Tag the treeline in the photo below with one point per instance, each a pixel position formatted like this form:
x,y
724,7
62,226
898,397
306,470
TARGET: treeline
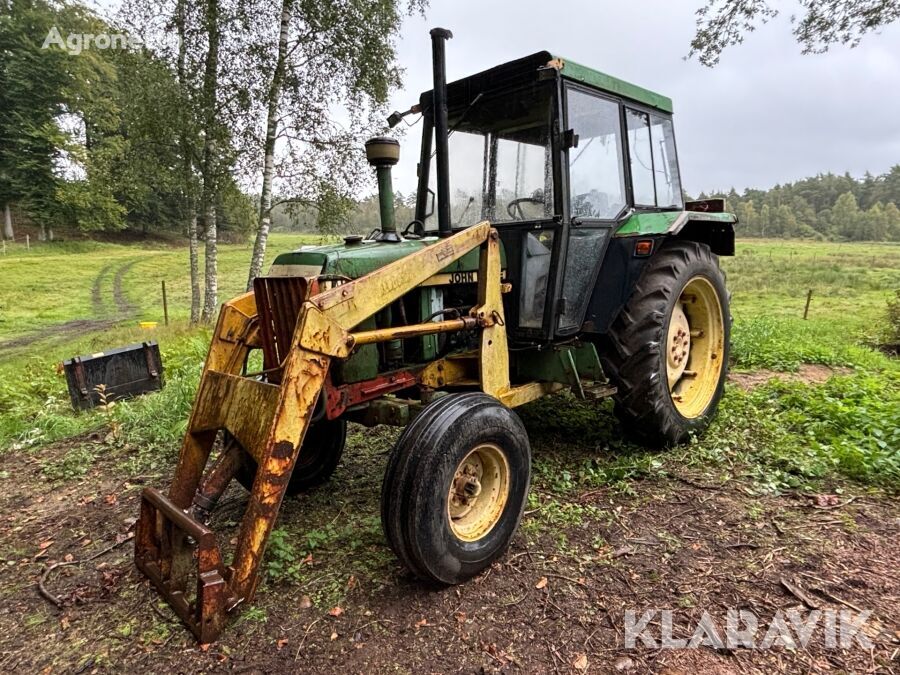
x,y
827,206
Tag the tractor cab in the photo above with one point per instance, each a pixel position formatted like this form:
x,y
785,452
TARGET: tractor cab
x,y
558,157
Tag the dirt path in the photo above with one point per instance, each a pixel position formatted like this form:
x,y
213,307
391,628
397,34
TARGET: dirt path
x,y
556,602
124,309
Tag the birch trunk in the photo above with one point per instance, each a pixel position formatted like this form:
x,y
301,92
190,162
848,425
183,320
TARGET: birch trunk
x,y
194,248
211,294
190,209
8,232
274,97
210,180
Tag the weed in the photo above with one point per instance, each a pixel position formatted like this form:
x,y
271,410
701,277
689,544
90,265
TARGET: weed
x,y
76,462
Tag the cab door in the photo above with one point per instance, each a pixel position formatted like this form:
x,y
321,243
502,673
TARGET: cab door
x,y
597,197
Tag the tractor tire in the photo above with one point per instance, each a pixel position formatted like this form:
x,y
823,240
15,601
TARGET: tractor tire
x,y
319,457
455,487
667,351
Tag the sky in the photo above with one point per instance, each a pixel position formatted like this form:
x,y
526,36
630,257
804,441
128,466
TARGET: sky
x,y
765,115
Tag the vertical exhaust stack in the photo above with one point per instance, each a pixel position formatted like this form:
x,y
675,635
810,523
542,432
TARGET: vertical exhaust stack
x,y
439,37
383,152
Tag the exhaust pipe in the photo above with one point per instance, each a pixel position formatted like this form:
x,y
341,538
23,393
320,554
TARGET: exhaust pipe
x,y
439,37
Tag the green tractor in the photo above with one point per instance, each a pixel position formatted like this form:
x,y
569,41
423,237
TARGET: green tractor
x,y
551,248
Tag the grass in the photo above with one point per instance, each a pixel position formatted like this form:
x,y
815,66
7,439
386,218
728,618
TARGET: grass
x,y
780,435
53,283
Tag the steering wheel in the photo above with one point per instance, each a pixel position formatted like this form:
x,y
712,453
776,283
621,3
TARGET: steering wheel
x,y
515,206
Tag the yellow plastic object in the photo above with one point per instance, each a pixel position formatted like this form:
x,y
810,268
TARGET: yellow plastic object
x,y
147,325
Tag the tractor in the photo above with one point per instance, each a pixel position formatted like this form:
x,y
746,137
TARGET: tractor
x,y
551,249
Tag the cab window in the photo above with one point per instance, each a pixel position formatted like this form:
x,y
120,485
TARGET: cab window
x,y
654,165
596,177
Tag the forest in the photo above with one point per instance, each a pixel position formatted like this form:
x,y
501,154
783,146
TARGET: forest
x,y
827,206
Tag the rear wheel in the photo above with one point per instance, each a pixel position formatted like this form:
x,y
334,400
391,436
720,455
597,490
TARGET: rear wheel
x,y
667,351
319,457
455,487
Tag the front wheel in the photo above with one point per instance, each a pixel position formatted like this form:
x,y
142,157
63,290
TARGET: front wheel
x,y
455,487
320,455
667,351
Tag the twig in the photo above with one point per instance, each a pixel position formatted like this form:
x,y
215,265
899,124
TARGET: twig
x,y
562,576
812,603
47,595
836,599
308,628
832,506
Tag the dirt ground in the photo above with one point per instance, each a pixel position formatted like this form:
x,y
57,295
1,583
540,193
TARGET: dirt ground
x,y
555,603
807,373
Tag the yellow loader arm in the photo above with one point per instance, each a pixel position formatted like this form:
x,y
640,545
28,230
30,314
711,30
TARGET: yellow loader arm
x,y
269,421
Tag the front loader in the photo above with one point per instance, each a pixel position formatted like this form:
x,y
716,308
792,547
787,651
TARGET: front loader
x,y
560,255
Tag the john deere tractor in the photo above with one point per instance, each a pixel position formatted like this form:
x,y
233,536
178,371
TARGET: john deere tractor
x,y
551,250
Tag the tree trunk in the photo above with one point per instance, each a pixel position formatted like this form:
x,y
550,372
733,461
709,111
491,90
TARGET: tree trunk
x,y
210,179
189,206
265,200
8,232
195,268
211,295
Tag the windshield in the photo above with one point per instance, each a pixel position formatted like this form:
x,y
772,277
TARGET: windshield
x,y
500,161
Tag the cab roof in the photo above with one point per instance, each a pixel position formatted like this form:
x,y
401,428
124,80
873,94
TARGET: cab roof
x,y
527,70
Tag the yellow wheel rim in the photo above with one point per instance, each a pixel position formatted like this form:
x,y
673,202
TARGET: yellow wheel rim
x,y
695,347
478,492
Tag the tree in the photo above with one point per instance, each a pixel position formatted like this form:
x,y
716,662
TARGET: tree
x,y
323,52
209,166
32,85
875,225
845,217
724,23
892,221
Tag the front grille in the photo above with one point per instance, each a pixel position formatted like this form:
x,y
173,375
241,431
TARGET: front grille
x,y
278,304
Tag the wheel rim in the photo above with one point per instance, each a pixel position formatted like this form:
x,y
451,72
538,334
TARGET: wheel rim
x,y
478,492
694,347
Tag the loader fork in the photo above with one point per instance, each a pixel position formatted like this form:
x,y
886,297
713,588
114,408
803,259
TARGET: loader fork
x,y
300,331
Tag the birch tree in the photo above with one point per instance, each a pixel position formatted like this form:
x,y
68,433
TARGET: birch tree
x,y
209,165
332,68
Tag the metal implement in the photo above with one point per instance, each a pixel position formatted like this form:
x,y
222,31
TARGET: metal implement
x,y
104,377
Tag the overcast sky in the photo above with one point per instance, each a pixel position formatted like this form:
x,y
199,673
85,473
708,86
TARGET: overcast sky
x,y
764,115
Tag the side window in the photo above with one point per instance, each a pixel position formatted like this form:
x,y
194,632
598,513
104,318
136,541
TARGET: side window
x,y
665,163
596,177
641,157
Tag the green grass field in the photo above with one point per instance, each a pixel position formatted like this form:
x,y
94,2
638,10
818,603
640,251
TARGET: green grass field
x,y
54,284
728,515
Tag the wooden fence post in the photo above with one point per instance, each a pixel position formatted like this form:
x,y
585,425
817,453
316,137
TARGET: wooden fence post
x,y
165,303
806,309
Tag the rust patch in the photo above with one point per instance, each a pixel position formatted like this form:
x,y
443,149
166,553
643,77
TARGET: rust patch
x,y
283,450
